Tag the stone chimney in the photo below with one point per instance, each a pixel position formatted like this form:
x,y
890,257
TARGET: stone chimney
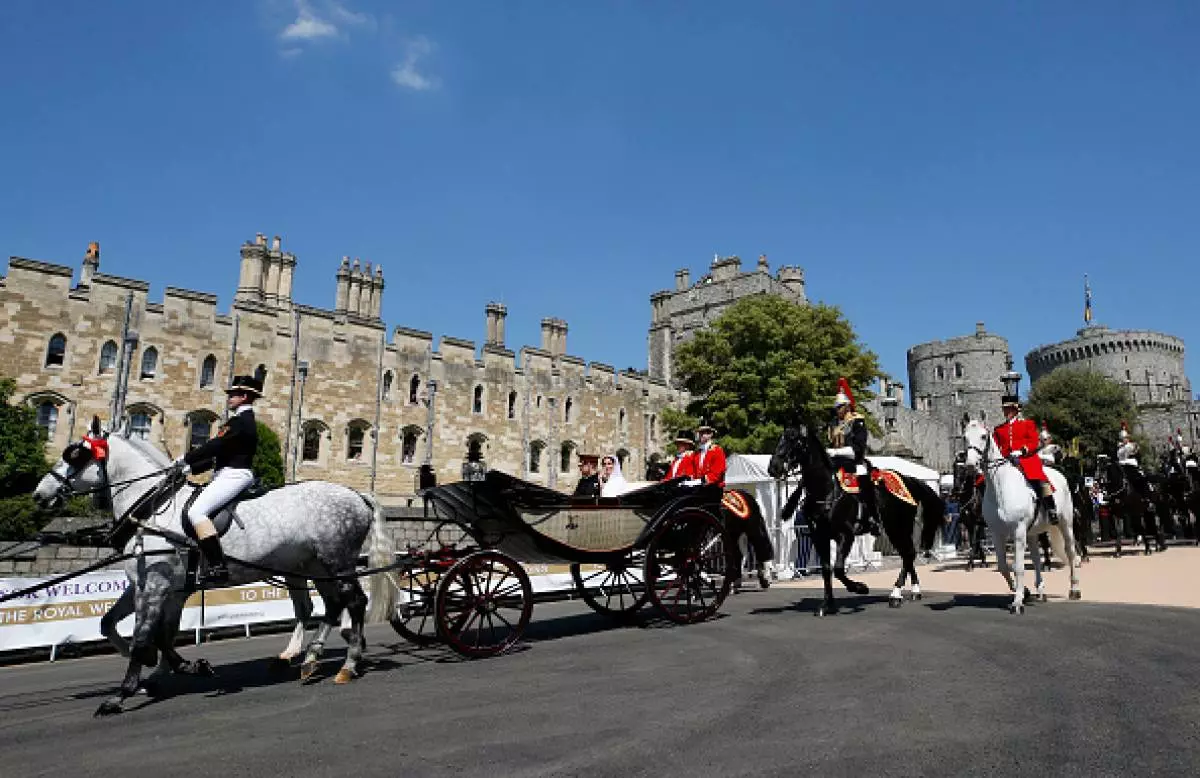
x,y
377,295
287,272
254,261
559,342
495,314
367,303
548,335
763,266
91,263
683,279
342,302
356,285
980,331
272,273
724,269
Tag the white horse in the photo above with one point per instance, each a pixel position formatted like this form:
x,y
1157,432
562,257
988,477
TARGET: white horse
x,y
313,530
1010,510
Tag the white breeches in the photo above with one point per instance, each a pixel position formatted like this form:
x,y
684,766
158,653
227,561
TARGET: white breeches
x,y
225,485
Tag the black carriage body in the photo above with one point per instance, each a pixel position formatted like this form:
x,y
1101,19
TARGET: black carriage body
x,y
536,525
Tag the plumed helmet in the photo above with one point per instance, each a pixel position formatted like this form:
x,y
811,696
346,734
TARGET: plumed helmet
x,y
844,395
1044,435
1124,433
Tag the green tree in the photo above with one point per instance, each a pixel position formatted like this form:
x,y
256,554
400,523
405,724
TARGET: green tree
x,y
671,421
268,458
1084,406
763,359
22,465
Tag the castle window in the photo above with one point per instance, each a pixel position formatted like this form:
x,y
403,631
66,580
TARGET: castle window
x,y
199,425
47,419
564,465
356,433
567,407
414,389
1128,376
312,445
538,402
512,405
108,357
260,374
387,385
535,456
408,444
56,352
477,400
958,370
149,363
621,426
139,425
208,372
983,415
939,373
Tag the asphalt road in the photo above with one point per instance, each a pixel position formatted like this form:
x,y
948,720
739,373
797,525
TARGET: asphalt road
x,y
946,686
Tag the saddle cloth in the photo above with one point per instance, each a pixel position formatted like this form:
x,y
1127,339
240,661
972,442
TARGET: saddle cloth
x,y
227,514
736,504
890,479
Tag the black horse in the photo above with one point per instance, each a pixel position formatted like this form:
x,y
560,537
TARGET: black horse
x,y
832,514
1173,503
1129,500
968,493
741,517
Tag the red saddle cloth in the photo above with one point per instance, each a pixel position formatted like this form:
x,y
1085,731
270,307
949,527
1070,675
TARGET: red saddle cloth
x,y
890,479
736,504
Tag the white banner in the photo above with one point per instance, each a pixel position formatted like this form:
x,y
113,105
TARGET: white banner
x,y
70,612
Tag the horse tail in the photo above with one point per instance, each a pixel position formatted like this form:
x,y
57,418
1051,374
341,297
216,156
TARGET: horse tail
x,y
756,530
381,551
931,510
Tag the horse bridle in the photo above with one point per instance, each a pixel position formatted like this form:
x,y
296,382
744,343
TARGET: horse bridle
x,y
66,490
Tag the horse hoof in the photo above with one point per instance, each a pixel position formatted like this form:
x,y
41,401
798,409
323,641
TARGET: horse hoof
x,y
307,669
108,708
1027,597
202,668
895,602
1016,609
343,676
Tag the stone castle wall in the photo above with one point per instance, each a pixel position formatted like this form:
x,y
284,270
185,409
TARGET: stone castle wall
x,y
362,387
959,377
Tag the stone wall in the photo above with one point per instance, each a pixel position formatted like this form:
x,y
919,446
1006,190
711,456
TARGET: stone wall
x,y
362,393
960,376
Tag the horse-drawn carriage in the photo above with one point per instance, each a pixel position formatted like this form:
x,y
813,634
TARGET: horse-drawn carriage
x,y
665,544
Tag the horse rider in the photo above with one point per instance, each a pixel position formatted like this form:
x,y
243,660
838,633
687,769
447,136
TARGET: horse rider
x,y
1017,439
710,458
1048,451
849,441
1127,458
230,454
684,463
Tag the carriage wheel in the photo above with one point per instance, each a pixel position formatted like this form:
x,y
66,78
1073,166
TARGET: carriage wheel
x,y
687,561
483,604
413,617
619,590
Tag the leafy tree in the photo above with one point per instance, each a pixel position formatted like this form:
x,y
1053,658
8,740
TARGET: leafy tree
x,y
22,456
763,359
671,421
268,458
1083,405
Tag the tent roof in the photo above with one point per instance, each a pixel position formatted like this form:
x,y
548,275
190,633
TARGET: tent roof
x,y
752,468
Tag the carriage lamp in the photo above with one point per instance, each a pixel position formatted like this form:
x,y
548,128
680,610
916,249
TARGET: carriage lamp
x,y
1012,382
474,470
890,407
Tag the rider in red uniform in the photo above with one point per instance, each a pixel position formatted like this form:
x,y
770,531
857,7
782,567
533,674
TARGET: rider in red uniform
x,y
1017,439
710,458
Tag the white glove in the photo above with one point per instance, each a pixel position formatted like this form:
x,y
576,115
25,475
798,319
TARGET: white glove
x,y
860,470
1015,458
845,451
693,482
183,466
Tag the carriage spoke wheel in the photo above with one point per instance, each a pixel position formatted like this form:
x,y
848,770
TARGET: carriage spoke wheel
x,y
483,604
687,564
617,590
413,617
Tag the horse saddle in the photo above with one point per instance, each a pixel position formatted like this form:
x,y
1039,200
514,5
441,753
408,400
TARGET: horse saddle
x,y
227,514
889,479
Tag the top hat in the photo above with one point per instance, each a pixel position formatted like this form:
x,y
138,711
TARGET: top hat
x,y
705,427
245,384
1010,401
686,436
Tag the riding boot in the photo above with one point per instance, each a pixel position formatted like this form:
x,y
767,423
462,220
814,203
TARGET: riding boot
x,y
869,508
1050,508
215,573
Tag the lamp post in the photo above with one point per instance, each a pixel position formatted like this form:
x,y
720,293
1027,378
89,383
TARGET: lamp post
x,y
1012,383
298,443
890,406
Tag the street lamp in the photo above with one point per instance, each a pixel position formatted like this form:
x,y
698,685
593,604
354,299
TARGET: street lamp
x,y
298,444
1012,383
890,407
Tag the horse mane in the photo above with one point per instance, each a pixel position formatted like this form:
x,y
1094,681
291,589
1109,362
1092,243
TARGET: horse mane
x,y
148,451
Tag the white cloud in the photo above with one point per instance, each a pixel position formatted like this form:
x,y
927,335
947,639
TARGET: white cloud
x,y
328,20
406,73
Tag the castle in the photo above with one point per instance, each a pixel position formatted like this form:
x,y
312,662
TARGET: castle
x,y
350,403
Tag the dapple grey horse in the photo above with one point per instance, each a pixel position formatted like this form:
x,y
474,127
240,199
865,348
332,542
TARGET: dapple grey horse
x,y
313,530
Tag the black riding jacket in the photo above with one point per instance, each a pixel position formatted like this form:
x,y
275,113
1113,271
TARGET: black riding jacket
x,y
233,446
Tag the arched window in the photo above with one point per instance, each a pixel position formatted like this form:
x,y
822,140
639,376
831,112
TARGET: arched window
x,y
356,433
140,417
56,352
47,418
477,400
260,374
958,370
149,362
512,405
387,385
414,389
408,443
535,456
208,372
621,422
538,403
108,357
313,432
567,408
199,425
564,465
939,372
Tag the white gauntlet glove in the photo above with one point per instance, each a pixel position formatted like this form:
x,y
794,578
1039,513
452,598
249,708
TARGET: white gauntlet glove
x,y
183,466
845,451
693,482
860,470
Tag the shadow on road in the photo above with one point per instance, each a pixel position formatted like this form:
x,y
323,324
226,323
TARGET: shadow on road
x,y
846,605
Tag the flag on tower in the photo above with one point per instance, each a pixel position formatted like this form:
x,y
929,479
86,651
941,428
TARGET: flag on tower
x,y
1087,301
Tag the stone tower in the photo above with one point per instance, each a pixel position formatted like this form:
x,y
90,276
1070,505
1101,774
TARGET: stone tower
x,y
959,378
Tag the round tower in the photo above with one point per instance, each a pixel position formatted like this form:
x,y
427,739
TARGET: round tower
x,y
1150,363
959,378
792,278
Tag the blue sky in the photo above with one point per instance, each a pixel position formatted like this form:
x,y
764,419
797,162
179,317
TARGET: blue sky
x,y
929,164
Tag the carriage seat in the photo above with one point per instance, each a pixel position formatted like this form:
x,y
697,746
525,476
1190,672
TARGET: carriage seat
x,y
227,513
